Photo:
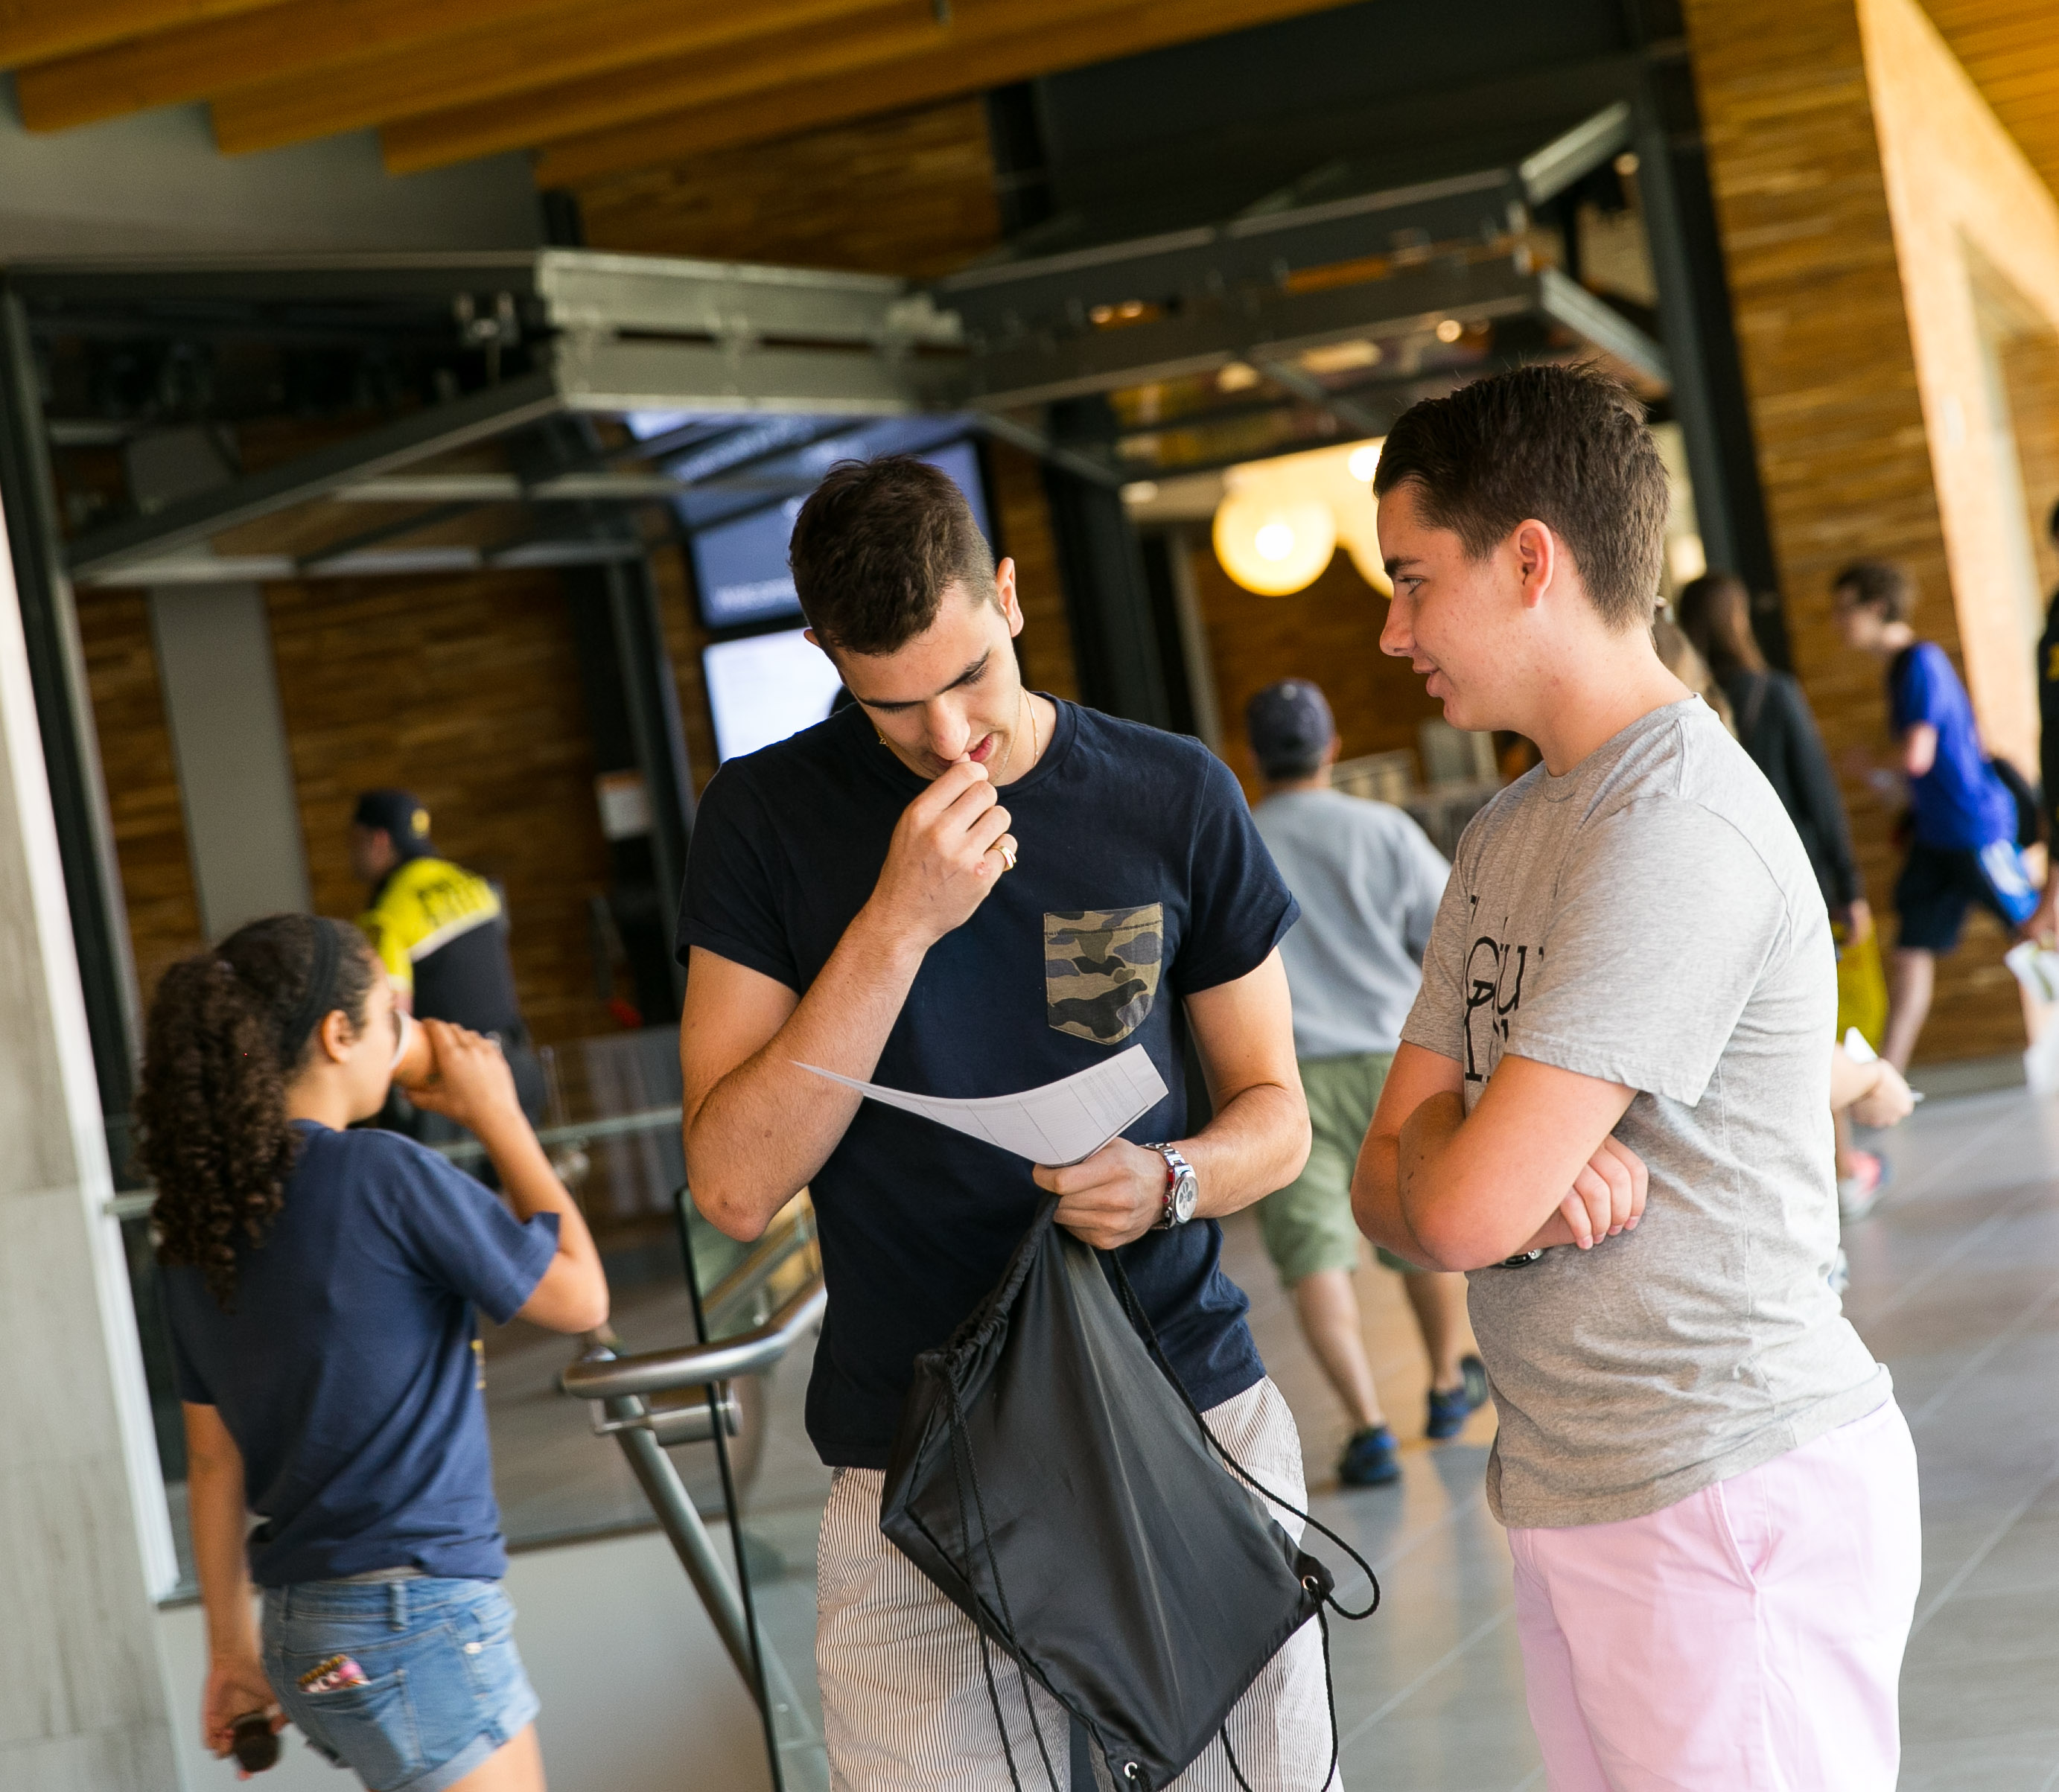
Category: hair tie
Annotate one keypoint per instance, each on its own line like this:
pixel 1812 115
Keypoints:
pixel 318 997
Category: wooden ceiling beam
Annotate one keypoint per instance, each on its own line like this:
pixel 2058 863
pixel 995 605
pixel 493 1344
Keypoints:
pixel 595 39
pixel 215 56
pixel 34 30
pixel 987 42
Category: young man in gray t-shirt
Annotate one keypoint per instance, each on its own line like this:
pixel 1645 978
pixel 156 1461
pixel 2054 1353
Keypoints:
pixel 1611 1107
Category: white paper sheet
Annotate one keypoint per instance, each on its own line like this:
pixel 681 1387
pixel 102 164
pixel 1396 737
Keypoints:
pixel 1058 1124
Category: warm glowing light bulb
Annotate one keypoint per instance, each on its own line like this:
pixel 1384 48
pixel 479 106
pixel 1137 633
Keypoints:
pixel 1272 538
pixel 1450 330
pixel 1365 461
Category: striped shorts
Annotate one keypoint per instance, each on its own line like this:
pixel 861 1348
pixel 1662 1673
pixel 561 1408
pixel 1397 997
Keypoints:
pixel 905 1704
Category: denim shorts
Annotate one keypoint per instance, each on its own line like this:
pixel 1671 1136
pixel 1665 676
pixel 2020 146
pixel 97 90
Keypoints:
pixel 442 1688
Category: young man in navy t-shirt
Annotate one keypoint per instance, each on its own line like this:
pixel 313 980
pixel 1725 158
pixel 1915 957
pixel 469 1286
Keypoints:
pixel 960 887
pixel 1964 817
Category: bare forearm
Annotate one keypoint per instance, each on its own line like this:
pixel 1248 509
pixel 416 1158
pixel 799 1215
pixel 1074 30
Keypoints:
pixel 1377 1200
pixel 1257 1142
pixel 533 1187
pixel 768 1126
pixel 220 1562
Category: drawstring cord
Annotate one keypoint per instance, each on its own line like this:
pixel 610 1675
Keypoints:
pixel 959 1443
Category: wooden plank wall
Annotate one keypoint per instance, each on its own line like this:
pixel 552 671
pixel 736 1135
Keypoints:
pixel 466 692
pixel 912 193
pixel 1022 520
pixel 2030 374
pixel 142 783
pixel 1329 633
pixel 1809 248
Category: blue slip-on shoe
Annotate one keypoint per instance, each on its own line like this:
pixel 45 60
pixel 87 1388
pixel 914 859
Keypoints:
pixel 1450 1410
pixel 1371 1460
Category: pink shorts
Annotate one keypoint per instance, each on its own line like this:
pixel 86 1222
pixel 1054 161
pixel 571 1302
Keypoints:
pixel 1747 1639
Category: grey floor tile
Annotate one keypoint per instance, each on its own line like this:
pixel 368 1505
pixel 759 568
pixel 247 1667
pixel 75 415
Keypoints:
pixel 2021 1761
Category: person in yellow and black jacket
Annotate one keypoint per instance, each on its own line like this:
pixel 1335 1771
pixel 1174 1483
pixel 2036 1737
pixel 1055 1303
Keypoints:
pixel 441 931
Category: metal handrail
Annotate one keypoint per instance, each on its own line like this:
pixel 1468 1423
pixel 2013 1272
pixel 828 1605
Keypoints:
pixel 576 1131
pixel 136 1205
pixel 606 1377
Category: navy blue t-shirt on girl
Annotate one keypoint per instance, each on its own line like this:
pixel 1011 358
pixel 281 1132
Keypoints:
pixel 1142 880
pixel 347 1373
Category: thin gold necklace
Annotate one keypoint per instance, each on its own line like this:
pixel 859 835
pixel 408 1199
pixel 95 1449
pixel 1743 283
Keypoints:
pixel 1021 702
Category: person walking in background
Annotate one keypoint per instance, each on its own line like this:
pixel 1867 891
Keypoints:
pixel 1369 882
pixel 1773 723
pixel 321 1282
pixel 1965 817
pixel 441 932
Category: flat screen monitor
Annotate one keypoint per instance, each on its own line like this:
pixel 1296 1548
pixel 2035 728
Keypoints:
pixel 740 566
pixel 764 687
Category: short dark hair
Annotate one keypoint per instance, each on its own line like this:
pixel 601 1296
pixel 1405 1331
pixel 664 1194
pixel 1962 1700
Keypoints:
pixel 874 547
pixel 1567 445
pixel 1887 586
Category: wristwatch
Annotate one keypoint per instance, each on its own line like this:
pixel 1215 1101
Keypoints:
pixel 1183 1189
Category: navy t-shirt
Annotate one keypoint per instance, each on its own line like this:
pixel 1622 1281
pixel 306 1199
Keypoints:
pixel 347 1373
pixel 1959 802
pixel 1142 880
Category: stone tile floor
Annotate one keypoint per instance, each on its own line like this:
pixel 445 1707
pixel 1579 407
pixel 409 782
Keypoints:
pixel 1955 1282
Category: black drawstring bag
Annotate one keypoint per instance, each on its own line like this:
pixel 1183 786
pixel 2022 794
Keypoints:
pixel 1053 1480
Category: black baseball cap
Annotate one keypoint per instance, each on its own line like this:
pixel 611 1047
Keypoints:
pixel 401 815
pixel 1289 724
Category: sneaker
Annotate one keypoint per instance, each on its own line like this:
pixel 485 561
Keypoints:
pixel 1859 1192
pixel 1450 1409
pixel 1370 1459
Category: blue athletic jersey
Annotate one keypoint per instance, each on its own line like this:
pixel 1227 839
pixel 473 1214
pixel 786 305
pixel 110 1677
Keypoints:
pixel 348 1373
pixel 1142 880
pixel 1959 802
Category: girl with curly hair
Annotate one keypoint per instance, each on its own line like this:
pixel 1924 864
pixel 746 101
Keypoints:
pixel 321 1285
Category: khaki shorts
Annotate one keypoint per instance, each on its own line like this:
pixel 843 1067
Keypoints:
pixel 1308 1226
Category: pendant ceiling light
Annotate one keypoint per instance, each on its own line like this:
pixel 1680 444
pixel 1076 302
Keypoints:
pixel 1283 518
pixel 1272 540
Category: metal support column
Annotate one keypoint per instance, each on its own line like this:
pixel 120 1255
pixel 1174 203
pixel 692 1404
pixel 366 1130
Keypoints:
pixel 64 714
pixel 1115 632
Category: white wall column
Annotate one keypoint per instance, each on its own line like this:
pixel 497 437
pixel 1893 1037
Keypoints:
pixel 85 1540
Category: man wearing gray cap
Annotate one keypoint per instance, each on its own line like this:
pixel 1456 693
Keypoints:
pixel 1368 882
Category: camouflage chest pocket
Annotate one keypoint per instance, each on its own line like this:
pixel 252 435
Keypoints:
pixel 1101 969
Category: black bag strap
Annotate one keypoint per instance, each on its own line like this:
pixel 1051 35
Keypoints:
pixel 1148 1332
pixel 961 1452
pixel 1141 1320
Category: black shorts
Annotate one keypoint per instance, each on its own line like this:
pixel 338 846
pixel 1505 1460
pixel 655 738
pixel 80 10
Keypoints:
pixel 1936 886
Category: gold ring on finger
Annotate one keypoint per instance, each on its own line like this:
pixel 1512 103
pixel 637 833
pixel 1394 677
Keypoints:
pixel 1007 855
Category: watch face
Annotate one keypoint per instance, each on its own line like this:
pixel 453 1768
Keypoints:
pixel 1186 1190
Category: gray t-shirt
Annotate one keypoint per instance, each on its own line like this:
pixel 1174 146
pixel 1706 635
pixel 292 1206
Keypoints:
pixel 1368 882
pixel 1650 919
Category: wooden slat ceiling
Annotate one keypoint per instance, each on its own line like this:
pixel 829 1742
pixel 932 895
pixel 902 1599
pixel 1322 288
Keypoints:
pixel 2011 49
pixel 600 87
pixel 592 87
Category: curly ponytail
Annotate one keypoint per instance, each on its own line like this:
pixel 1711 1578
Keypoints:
pixel 226 1033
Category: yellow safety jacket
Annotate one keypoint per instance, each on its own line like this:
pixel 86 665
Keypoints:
pixel 440 932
